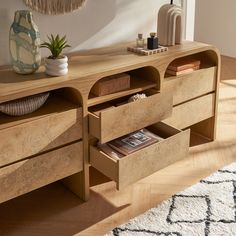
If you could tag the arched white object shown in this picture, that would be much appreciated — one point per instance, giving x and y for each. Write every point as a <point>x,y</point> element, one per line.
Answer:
<point>54,7</point>
<point>170,25</point>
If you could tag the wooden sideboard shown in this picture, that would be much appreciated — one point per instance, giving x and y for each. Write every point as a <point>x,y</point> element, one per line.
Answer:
<point>58,141</point>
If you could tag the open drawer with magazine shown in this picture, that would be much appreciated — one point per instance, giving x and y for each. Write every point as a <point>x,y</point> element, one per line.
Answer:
<point>116,121</point>
<point>125,170</point>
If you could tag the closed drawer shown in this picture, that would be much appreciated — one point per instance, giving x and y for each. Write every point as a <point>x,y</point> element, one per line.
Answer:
<point>195,84</point>
<point>118,121</point>
<point>192,112</point>
<point>40,134</point>
<point>133,167</point>
<point>30,174</point>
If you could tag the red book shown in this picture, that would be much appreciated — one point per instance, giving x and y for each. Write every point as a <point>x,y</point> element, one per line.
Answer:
<point>171,72</point>
<point>183,64</point>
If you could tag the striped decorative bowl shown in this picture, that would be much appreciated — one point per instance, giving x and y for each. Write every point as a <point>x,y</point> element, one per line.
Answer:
<point>24,106</point>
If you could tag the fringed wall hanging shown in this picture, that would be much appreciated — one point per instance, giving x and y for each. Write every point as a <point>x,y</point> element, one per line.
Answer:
<point>54,7</point>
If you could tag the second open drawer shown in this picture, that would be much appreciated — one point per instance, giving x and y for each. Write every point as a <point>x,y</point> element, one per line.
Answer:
<point>133,167</point>
<point>118,121</point>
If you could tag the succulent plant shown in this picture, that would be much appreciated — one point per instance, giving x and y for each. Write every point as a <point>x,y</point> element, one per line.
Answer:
<point>55,45</point>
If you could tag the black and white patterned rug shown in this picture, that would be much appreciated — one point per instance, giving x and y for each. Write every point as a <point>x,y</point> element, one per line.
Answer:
<point>207,208</point>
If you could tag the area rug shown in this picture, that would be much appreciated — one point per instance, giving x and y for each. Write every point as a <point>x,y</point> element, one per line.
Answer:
<point>207,208</point>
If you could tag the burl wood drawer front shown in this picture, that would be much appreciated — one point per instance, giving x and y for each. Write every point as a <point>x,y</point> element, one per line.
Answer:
<point>192,85</point>
<point>33,137</point>
<point>30,174</point>
<point>192,112</point>
<point>124,119</point>
<point>133,167</point>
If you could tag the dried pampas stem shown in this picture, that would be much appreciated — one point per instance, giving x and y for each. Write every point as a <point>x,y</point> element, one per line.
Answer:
<point>54,7</point>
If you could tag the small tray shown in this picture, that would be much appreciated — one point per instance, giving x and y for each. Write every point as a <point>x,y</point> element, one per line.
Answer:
<point>147,52</point>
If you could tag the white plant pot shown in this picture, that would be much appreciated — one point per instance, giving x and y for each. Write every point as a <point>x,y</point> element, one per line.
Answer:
<point>56,67</point>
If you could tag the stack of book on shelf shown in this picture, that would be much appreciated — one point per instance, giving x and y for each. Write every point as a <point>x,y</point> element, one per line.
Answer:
<point>111,84</point>
<point>182,66</point>
<point>130,143</point>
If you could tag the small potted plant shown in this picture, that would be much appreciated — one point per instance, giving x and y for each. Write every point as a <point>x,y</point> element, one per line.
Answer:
<point>56,64</point>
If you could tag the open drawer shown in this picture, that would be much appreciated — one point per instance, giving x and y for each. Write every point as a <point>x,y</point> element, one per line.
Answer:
<point>118,121</point>
<point>133,167</point>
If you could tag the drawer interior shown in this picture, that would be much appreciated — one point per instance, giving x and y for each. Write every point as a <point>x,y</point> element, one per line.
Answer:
<point>100,108</point>
<point>131,168</point>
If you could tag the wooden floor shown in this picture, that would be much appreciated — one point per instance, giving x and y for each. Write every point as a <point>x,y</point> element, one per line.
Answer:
<point>53,210</point>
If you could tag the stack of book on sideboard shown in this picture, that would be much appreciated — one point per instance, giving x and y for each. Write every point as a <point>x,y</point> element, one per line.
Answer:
<point>130,143</point>
<point>182,66</point>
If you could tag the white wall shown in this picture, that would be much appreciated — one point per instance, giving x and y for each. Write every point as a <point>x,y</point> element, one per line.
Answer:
<point>190,19</point>
<point>99,23</point>
<point>215,24</point>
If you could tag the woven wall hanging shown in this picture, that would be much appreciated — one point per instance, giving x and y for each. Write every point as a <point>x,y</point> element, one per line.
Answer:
<point>54,7</point>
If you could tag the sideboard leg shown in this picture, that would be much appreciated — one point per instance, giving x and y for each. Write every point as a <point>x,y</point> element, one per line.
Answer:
<point>79,184</point>
<point>206,128</point>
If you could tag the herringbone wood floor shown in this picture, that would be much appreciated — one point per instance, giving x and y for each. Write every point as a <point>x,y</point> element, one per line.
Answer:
<point>53,210</point>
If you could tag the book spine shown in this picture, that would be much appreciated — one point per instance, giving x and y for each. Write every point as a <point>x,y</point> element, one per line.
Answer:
<point>183,67</point>
<point>118,149</point>
<point>176,73</point>
<point>110,151</point>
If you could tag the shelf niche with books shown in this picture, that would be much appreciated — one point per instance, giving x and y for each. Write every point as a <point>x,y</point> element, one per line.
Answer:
<point>191,76</point>
<point>124,84</point>
<point>194,93</point>
<point>190,64</point>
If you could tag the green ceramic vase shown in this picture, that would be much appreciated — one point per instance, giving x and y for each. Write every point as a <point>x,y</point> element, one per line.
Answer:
<point>24,43</point>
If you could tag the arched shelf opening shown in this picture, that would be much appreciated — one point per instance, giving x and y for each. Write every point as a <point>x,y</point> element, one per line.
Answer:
<point>70,94</point>
<point>141,80</point>
<point>191,63</point>
<point>194,89</point>
<point>59,100</point>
